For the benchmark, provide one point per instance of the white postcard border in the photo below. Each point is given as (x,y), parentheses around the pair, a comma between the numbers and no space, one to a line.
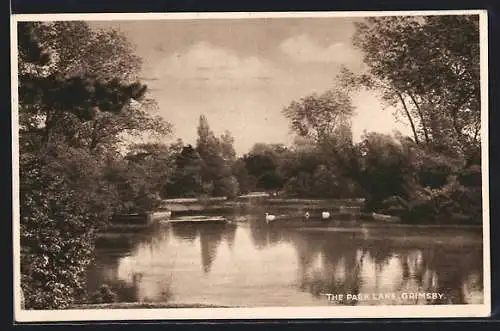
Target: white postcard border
(329,312)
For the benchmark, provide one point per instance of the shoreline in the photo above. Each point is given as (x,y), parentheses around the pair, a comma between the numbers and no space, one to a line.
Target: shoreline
(149,305)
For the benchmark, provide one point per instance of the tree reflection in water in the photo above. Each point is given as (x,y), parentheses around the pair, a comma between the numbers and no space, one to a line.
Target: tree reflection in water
(210,235)
(210,238)
(185,231)
(337,263)
(229,235)
(264,235)
(347,259)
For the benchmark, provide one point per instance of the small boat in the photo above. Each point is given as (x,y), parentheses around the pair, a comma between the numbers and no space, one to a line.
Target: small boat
(198,219)
(161,215)
(271,218)
(386,218)
(325,215)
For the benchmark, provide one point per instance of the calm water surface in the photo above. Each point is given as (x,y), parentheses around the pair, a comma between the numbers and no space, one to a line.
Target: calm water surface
(254,264)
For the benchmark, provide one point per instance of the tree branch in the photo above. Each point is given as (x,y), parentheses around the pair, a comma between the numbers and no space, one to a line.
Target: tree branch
(422,120)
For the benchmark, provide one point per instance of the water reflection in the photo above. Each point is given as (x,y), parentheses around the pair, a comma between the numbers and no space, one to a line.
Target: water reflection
(210,238)
(254,264)
(187,231)
(338,263)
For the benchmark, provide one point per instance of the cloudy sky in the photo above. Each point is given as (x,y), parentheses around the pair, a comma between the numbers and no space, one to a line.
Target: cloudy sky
(241,73)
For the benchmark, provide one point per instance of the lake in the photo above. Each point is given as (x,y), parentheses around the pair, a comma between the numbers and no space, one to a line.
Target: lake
(253,264)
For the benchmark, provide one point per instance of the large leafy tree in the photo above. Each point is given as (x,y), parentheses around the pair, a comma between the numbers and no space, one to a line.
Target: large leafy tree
(264,164)
(317,117)
(385,169)
(143,175)
(218,157)
(428,66)
(186,181)
(76,88)
(87,91)
(323,152)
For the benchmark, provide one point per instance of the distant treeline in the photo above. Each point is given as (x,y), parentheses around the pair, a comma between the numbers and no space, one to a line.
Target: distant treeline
(394,174)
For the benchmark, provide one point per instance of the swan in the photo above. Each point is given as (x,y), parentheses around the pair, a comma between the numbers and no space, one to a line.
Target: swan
(325,215)
(270,218)
(307,215)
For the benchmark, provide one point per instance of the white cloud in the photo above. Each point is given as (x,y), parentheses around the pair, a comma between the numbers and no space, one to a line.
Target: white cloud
(245,93)
(303,48)
(206,65)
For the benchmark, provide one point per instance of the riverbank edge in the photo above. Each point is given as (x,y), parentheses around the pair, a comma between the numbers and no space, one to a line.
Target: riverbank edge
(145,305)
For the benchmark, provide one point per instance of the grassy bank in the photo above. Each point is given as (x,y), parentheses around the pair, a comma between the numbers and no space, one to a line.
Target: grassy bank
(144,305)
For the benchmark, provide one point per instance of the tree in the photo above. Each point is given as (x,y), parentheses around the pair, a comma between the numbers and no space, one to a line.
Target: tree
(62,203)
(87,91)
(318,116)
(186,181)
(323,151)
(246,182)
(78,49)
(429,69)
(264,163)
(208,146)
(226,186)
(146,169)
(67,191)
(385,169)
(227,147)
(218,156)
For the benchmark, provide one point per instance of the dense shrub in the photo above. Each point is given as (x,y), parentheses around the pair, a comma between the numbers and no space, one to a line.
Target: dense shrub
(226,187)
(103,295)
(58,220)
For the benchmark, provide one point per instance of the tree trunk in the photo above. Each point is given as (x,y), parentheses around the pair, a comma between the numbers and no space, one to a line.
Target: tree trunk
(94,140)
(48,127)
(409,118)
(422,120)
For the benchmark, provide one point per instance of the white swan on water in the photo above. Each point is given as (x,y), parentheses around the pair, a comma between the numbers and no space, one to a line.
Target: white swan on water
(325,215)
(270,218)
(307,215)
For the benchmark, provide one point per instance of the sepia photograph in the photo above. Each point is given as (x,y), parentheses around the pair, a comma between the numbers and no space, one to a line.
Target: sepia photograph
(250,165)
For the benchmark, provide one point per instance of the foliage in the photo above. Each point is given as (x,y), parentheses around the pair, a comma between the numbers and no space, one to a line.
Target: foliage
(453,203)
(318,116)
(104,295)
(246,182)
(141,176)
(429,71)
(81,100)
(226,187)
(263,164)
(300,171)
(207,170)
(385,169)
(62,204)
(217,155)
(440,189)
(77,98)
(186,180)
(85,104)
(430,67)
